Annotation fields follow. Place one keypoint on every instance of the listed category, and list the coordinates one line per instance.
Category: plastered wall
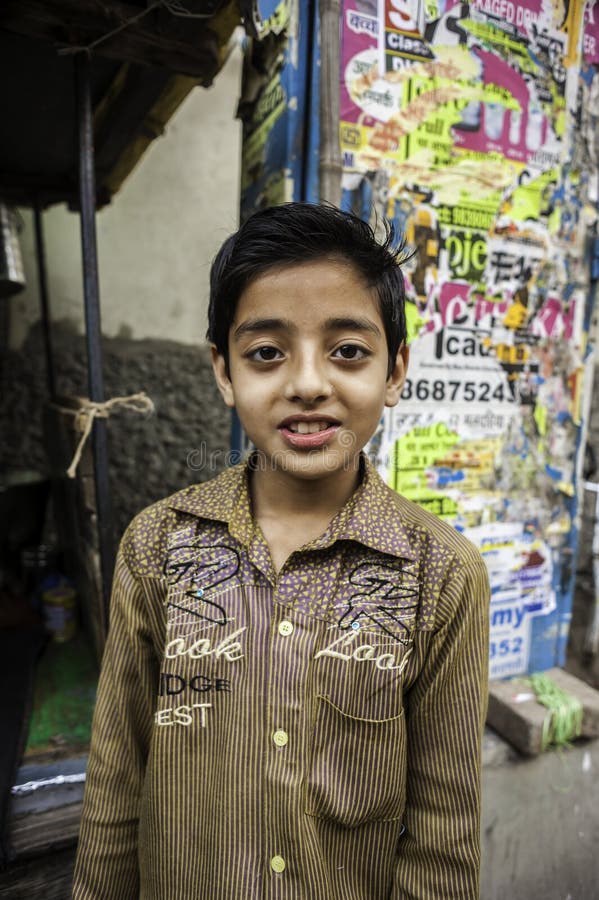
(155, 244)
(159, 234)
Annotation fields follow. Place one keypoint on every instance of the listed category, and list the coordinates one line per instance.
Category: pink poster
(590, 38)
(358, 58)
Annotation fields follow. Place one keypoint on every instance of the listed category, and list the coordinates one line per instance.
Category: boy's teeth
(308, 427)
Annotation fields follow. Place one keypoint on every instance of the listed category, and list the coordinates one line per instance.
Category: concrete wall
(579, 662)
(159, 234)
(150, 457)
(155, 244)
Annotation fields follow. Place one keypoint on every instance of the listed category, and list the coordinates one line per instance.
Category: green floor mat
(64, 696)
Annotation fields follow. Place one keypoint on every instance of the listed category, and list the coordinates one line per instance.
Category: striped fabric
(312, 734)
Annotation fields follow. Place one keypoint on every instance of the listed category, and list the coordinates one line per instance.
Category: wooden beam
(119, 119)
(175, 91)
(183, 45)
(112, 109)
(19, 189)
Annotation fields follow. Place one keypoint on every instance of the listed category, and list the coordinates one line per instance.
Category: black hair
(294, 233)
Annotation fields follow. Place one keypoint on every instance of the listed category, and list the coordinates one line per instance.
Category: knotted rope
(88, 411)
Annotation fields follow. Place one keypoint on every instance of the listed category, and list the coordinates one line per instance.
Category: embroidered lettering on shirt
(171, 684)
(388, 599)
(203, 565)
(183, 715)
(345, 648)
(192, 570)
(207, 609)
(229, 647)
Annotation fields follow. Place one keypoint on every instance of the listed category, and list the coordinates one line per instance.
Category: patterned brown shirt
(311, 735)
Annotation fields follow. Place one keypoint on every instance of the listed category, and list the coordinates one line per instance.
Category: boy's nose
(308, 379)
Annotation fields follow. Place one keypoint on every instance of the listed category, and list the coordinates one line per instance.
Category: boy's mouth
(307, 427)
(307, 432)
(307, 423)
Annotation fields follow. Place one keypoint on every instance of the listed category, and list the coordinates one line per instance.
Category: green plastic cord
(564, 720)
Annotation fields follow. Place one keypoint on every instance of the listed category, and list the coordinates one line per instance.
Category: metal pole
(87, 199)
(42, 278)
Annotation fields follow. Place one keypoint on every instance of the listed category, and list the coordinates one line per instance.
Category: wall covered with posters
(473, 127)
(279, 107)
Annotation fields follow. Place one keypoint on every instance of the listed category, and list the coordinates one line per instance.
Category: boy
(294, 685)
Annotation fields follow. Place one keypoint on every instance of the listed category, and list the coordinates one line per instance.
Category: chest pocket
(357, 758)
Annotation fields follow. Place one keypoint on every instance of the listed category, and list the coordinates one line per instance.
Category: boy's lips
(308, 431)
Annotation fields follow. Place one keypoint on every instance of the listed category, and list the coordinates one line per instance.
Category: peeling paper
(477, 137)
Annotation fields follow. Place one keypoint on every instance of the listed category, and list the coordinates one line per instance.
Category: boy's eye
(350, 351)
(264, 354)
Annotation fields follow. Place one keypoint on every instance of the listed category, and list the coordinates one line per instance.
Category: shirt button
(277, 864)
(280, 738)
(285, 627)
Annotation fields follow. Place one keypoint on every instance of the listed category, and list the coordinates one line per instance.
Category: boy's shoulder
(428, 535)
(449, 568)
(146, 541)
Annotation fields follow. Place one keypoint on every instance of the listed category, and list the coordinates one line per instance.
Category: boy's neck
(277, 494)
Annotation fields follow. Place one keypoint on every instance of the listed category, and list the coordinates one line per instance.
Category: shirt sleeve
(106, 865)
(439, 852)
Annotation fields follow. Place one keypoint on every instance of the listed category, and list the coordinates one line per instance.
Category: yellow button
(285, 627)
(277, 864)
(280, 738)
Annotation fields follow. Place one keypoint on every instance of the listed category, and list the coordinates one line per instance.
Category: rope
(564, 720)
(175, 8)
(88, 411)
(87, 48)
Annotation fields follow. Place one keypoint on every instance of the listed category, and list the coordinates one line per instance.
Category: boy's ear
(223, 382)
(396, 379)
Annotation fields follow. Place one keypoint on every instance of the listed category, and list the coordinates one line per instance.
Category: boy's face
(308, 364)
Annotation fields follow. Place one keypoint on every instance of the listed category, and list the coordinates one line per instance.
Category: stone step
(515, 713)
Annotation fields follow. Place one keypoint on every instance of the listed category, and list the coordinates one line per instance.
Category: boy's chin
(313, 465)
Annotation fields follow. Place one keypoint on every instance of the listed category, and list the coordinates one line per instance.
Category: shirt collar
(371, 516)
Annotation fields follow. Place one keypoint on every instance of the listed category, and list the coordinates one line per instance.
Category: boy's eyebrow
(352, 323)
(335, 323)
(253, 325)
